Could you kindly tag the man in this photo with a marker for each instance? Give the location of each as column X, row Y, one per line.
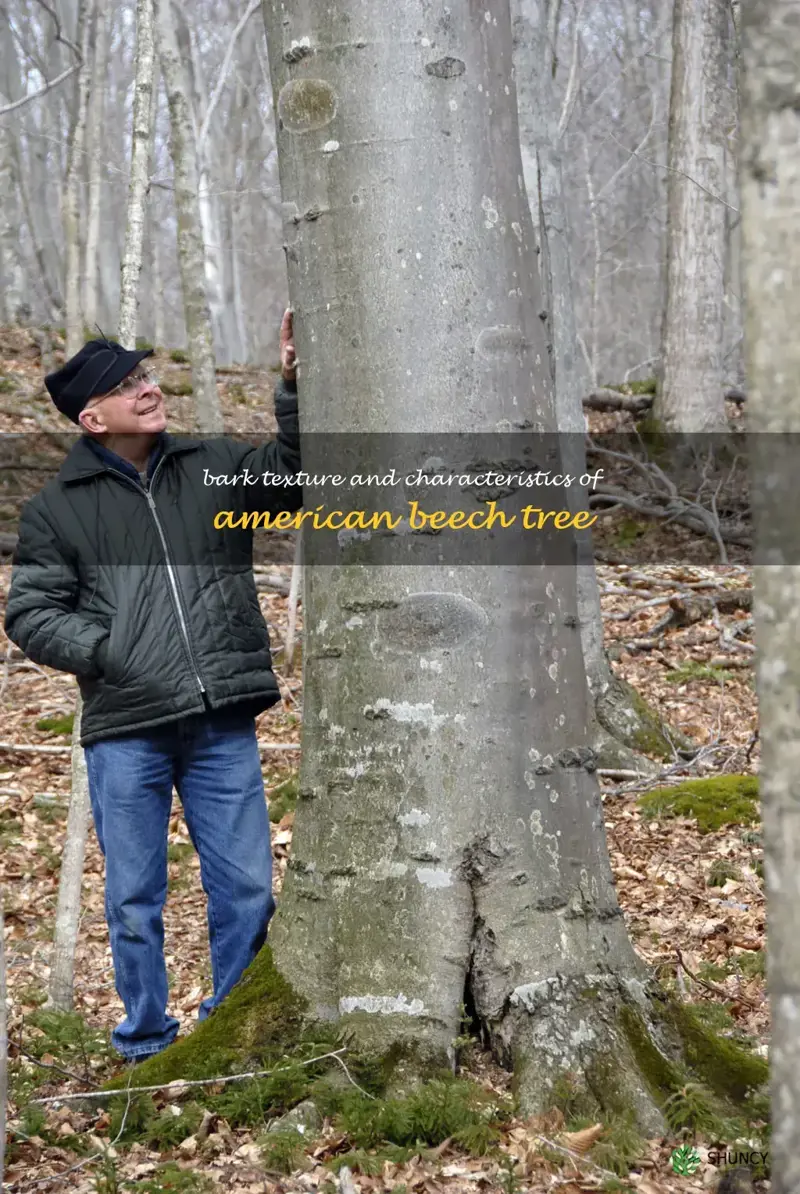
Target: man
column 120, row 578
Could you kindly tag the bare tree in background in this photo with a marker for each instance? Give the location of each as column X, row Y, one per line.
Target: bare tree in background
column 62, row 966
column 691, row 390
column 97, row 246
column 622, row 723
column 143, row 116
column 191, row 249
column 770, row 182
column 73, row 207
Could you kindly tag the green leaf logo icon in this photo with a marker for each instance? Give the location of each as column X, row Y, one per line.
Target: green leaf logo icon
column 685, row 1160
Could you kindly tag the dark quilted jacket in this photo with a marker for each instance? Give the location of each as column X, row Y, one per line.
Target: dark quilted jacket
column 136, row 594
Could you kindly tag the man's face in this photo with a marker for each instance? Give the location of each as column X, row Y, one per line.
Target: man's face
column 134, row 407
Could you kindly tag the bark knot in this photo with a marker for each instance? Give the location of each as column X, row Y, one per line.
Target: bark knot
column 445, row 68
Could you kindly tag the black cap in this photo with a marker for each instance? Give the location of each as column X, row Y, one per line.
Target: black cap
column 97, row 368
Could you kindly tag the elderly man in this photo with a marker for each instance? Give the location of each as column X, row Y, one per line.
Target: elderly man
column 121, row 579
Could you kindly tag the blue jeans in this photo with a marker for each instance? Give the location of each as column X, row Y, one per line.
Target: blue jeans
column 213, row 762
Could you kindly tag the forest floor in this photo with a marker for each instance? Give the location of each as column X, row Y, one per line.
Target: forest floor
column 693, row 900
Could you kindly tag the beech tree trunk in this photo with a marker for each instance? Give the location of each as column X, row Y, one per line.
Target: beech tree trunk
column 191, row 250
column 770, row 185
column 449, row 840
column 690, row 396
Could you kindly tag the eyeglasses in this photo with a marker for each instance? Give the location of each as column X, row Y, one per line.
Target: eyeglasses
column 129, row 387
column 133, row 383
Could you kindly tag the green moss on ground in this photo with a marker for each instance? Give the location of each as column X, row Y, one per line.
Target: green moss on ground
column 179, row 356
column 692, row 670
column 646, row 386
column 720, row 800
column 260, row 1022
column 179, row 389
column 57, row 725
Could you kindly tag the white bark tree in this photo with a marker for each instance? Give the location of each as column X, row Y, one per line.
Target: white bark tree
column 62, row 967
column 691, row 391
column 191, row 250
column 73, row 207
column 96, row 245
column 770, row 184
column 61, row 983
column 622, row 724
column 143, row 114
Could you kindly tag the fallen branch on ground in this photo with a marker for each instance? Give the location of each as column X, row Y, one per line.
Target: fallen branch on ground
column 181, row 1083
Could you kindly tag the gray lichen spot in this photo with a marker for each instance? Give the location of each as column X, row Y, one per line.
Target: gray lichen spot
column 500, row 342
column 445, row 68
column 306, row 104
column 424, row 621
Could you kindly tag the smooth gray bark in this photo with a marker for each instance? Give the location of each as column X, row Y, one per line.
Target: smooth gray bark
column 191, row 250
column 770, row 185
column 691, row 392
column 449, row 837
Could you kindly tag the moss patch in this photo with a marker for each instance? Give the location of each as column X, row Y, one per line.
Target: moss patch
column 260, row 1022
column 56, row 725
column 179, row 389
column 730, row 1071
column 646, row 386
column 721, row 800
column 692, row 670
column 626, row 715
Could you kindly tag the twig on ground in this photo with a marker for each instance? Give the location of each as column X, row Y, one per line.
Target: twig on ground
column 180, row 1083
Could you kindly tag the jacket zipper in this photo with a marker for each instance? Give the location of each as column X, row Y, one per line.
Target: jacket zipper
column 170, row 573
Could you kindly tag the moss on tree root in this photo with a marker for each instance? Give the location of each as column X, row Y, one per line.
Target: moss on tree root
column 262, row 1020
column 733, row 1079
column 626, row 715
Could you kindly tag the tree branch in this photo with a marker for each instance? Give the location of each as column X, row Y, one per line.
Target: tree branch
column 28, row 99
column 223, row 73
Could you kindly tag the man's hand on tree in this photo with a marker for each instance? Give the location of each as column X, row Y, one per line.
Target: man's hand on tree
column 288, row 354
